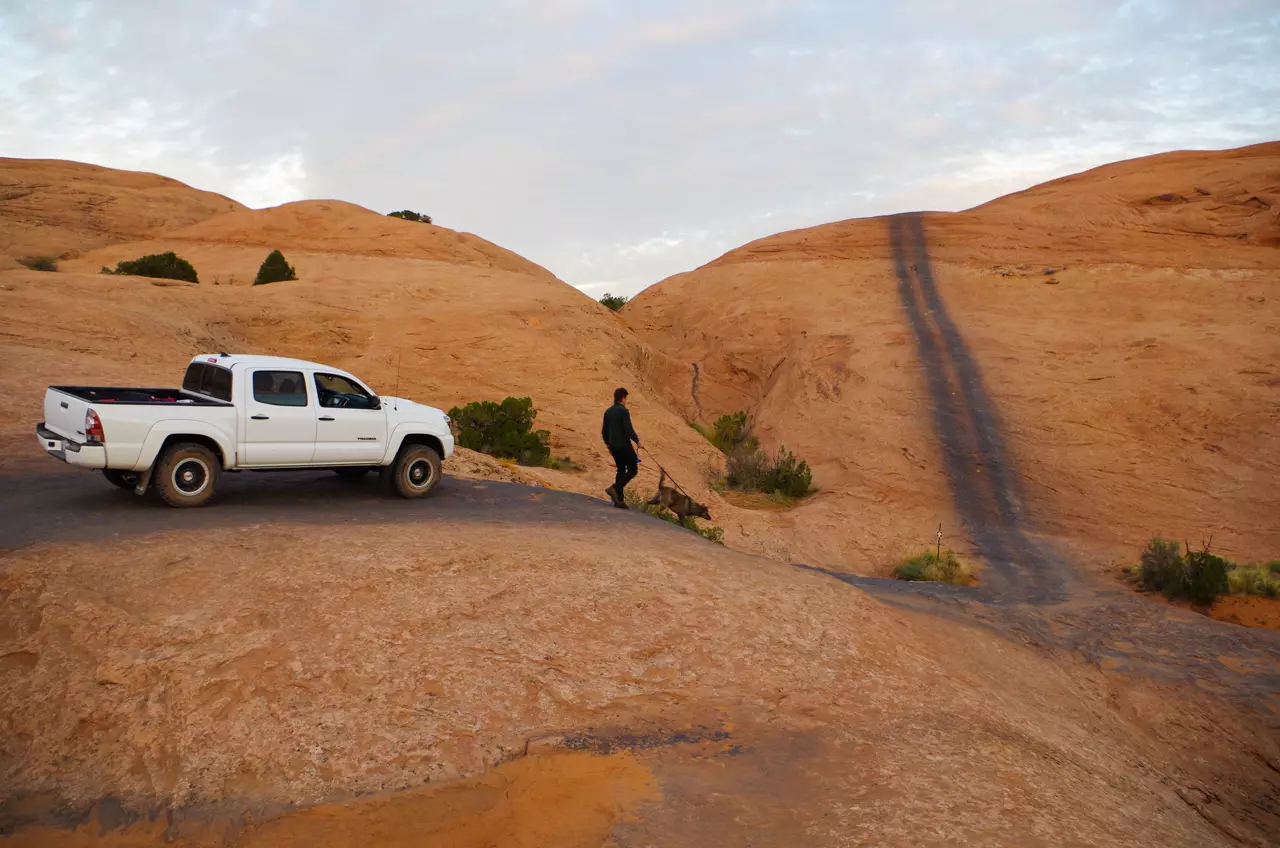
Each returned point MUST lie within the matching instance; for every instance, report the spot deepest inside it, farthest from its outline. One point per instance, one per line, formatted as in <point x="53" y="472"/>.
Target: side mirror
<point x="375" y="402"/>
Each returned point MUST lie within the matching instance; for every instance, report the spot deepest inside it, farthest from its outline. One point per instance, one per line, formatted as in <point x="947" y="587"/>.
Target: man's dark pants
<point x="628" y="467"/>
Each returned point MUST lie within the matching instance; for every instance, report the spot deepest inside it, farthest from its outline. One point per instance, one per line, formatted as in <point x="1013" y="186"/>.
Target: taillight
<point x="93" y="428"/>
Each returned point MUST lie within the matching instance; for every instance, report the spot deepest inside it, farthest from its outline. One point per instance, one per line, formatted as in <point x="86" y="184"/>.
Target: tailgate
<point x="64" y="414"/>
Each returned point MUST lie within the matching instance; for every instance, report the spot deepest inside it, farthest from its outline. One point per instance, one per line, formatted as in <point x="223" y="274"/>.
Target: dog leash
<point x="666" y="472"/>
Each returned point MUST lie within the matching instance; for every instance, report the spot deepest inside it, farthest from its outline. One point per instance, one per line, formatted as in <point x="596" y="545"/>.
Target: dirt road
<point x="59" y="504"/>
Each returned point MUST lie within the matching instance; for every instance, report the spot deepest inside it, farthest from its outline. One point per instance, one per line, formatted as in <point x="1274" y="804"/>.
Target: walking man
<point x="618" y="434"/>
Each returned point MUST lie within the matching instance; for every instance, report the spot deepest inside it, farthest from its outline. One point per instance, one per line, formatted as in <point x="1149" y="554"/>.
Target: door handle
<point x="326" y="417"/>
<point x="260" y="417"/>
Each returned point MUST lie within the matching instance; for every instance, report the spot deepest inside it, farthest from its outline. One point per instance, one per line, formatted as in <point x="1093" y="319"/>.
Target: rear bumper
<point x="71" y="452"/>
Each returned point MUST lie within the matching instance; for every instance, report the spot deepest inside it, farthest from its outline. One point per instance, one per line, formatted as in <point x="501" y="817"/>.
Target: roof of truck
<point x="231" y="360"/>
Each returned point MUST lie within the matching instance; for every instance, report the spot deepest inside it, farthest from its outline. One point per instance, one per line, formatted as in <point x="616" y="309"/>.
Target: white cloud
<point x="271" y="183"/>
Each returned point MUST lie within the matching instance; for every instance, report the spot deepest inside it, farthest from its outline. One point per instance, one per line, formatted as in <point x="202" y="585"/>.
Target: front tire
<point x="127" y="480"/>
<point x="416" y="471"/>
<point x="186" y="475"/>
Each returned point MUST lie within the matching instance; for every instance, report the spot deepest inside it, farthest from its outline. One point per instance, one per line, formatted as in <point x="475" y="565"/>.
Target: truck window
<point x="335" y="390"/>
<point x="280" y="388"/>
<point x="209" y="380"/>
<point x="218" y="383"/>
<point x="195" y="373"/>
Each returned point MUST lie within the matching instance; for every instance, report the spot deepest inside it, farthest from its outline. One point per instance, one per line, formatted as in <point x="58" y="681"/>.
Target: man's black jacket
<point x="617" y="431"/>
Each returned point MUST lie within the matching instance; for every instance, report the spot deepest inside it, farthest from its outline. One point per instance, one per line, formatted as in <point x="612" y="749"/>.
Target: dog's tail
<point x="657" y="496"/>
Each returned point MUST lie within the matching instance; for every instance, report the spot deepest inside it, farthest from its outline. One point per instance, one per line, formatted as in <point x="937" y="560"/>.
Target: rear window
<point x="210" y="380"/>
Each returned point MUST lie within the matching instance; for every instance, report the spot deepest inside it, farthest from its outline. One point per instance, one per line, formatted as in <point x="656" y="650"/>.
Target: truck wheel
<point x="186" y="475"/>
<point x="124" y="479"/>
<point x="351" y="475"/>
<point x="415" y="472"/>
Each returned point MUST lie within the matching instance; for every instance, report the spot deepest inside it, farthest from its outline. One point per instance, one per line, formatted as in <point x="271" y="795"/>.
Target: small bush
<point x="640" y="503"/>
<point x="753" y="470"/>
<point x="733" y="433"/>
<point x="614" y="301"/>
<point x="1206" y="577"/>
<point x="791" y="475"/>
<point x="1262" y="580"/>
<point x="747" y="471"/>
<point x="563" y="463"/>
<point x="274" y="269"/>
<point x="1161" y="566"/>
<point x="163" y="266"/>
<point x="929" y="567"/>
<point x="408" y="215"/>
<point x="39" y="263"/>
<point x="1198" y="576"/>
<point x="504" y="430"/>
<point x="783" y="477"/>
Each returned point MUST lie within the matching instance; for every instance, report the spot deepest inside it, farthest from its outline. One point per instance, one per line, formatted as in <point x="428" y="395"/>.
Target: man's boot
<point x="612" y="492"/>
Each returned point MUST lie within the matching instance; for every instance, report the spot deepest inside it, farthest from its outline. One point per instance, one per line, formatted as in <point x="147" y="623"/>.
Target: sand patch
<point x="571" y="800"/>
<point x="1248" y="610"/>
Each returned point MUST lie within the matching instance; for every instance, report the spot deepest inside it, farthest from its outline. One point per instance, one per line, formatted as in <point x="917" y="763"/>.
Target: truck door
<point x="280" y="419"/>
<point x="352" y="426"/>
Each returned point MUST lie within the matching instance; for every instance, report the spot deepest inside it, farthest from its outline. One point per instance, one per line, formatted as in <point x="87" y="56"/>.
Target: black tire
<point x="186" y="475"/>
<point x="352" y="475"/>
<point x="127" y="480"/>
<point x="416" y="471"/>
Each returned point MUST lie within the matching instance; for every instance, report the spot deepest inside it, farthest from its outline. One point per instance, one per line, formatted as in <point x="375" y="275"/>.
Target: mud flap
<point x="144" y="480"/>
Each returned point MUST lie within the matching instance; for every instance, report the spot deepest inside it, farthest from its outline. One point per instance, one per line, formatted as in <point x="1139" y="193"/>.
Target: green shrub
<point x="791" y="475"/>
<point x="929" y="567"/>
<point x="39" y="263"/>
<point x="1198" y="576"/>
<point x="783" y="477"/>
<point x="1262" y="580"/>
<point x="408" y="215"/>
<point x="164" y="266"/>
<point x="1162" y="566"/>
<point x="274" y="269"/>
<point x="1206" y="577"/>
<point x="503" y="430"/>
<point x="614" y="301"/>
<point x="640" y="503"/>
<point x="747" y="471"/>
<point x="753" y="470"/>
<point x="733" y="433"/>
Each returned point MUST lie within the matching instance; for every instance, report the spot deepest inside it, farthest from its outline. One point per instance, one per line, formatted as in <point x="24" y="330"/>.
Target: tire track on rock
<point x="984" y="485"/>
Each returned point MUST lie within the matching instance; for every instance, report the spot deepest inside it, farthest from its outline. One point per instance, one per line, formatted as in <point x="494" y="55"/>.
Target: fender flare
<point x="403" y="431"/>
<point x="161" y="431"/>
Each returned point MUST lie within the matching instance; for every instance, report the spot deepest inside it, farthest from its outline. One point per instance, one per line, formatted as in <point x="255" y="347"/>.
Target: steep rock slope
<point x="1122" y="326"/>
<point x="50" y="207"/>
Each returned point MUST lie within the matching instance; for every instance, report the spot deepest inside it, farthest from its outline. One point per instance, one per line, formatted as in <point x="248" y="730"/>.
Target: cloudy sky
<point x="618" y="142"/>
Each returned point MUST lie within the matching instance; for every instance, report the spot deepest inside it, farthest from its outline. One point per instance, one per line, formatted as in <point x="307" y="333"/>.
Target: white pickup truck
<point x="244" y="413"/>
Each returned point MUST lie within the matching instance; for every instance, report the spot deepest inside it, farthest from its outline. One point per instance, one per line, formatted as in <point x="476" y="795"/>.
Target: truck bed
<point x="136" y="396"/>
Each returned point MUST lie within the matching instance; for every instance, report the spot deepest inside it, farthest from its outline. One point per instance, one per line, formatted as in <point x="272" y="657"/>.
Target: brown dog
<point x="681" y="504"/>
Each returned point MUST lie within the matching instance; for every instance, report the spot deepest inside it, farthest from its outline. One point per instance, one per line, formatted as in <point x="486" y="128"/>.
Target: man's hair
<point x="618" y="395"/>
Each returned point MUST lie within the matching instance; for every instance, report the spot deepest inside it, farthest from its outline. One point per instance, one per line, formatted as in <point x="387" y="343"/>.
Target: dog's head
<point x="701" y="511"/>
